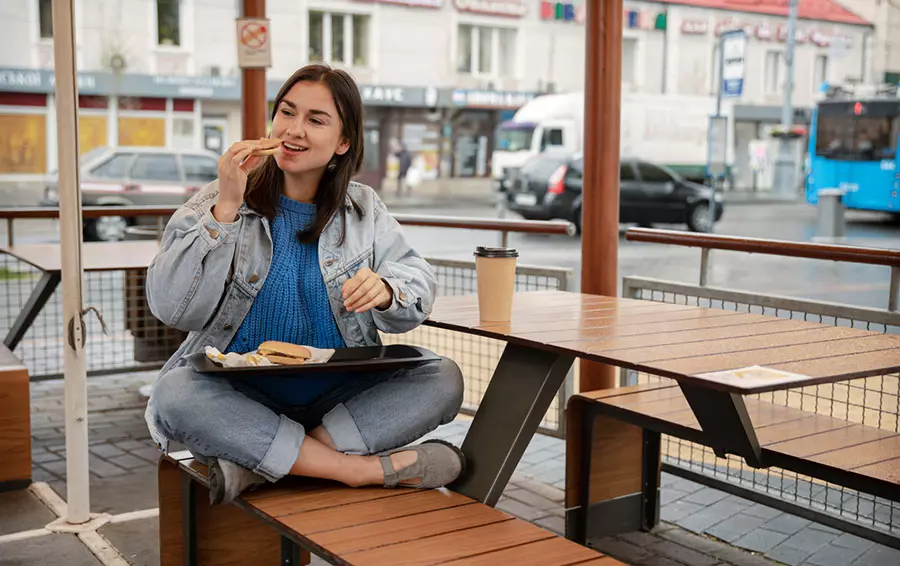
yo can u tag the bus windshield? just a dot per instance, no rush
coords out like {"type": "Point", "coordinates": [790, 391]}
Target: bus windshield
{"type": "Point", "coordinates": [846, 136]}
{"type": "Point", "coordinates": [513, 136]}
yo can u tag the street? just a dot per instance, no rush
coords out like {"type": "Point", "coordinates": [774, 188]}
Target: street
{"type": "Point", "coordinates": [861, 285]}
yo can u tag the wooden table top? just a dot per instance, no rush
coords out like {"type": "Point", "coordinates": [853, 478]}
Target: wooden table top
{"type": "Point", "coordinates": [682, 342]}
{"type": "Point", "coordinates": [95, 256]}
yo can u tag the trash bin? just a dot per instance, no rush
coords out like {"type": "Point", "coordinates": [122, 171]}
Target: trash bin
{"type": "Point", "coordinates": [153, 341]}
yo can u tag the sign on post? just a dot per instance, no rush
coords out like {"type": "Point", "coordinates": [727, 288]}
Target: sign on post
{"type": "Point", "coordinates": [734, 45]}
{"type": "Point", "coordinates": [254, 43]}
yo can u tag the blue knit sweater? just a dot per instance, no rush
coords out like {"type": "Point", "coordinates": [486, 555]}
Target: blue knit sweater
{"type": "Point", "coordinates": [292, 306]}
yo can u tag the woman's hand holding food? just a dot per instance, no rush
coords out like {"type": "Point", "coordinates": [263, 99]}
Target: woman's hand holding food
{"type": "Point", "coordinates": [366, 290]}
{"type": "Point", "coordinates": [234, 164]}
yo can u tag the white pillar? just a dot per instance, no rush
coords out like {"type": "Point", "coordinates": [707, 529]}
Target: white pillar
{"type": "Point", "coordinates": [52, 158]}
{"type": "Point", "coordinates": [112, 122]}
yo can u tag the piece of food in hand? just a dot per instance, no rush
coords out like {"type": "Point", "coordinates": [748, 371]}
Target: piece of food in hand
{"type": "Point", "coordinates": [284, 353]}
{"type": "Point", "coordinates": [268, 147]}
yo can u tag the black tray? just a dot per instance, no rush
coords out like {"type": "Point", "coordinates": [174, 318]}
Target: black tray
{"type": "Point", "coordinates": [367, 358]}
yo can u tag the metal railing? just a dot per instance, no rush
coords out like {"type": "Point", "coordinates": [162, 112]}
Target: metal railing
{"type": "Point", "coordinates": [872, 402]}
{"type": "Point", "coordinates": [138, 341]}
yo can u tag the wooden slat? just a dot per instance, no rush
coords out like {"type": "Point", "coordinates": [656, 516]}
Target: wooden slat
{"type": "Point", "coordinates": [411, 528]}
{"type": "Point", "coordinates": [527, 305]}
{"type": "Point", "coordinates": [628, 390]}
{"type": "Point", "coordinates": [787, 354]}
{"type": "Point", "coordinates": [555, 551]}
{"type": "Point", "coordinates": [15, 419]}
{"type": "Point", "coordinates": [807, 446]}
{"type": "Point", "coordinates": [412, 503]}
{"type": "Point", "coordinates": [888, 470]}
{"type": "Point", "coordinates": [647, 353]}
{"type": "Point", "coordinates": [452, 545]}
{"type": "Point", "coordinates": [848, 366]}
{"type": "Point", "coordinates": [861, 454]}
{"type": "Point", "coordinates": [680, 337]}
{"type": "Point", "coordinates": [306, 501]}
{"type": "Point", "coordinates": [812, 424]}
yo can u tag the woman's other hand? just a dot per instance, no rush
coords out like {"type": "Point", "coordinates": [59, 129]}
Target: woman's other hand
{"type": "Point", "coordinates": [366, 290]}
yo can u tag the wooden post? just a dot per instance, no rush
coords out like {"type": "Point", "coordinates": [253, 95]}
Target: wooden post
{"type": "Point", "coordinates": [600, 207]}
{"type": "Point", "coordinates": [254, 107]}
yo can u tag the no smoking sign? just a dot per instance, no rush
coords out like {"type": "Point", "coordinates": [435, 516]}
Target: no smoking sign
{"type": "Point", "coordinates": [254, 41]}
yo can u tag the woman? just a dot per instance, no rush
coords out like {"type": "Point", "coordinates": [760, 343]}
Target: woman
{"type": "Point", "coordinates": [294, 251]}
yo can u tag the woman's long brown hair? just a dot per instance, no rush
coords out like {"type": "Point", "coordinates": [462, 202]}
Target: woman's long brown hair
{"type": "Point", "coordinates": [266, 183]}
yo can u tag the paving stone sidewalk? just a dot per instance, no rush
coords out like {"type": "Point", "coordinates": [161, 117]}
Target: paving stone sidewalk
{"type": "Point", "coordinates": [700, 526]}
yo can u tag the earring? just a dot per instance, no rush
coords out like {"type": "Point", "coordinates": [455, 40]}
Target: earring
{"type": "Point", "coordinates": [331, 164]}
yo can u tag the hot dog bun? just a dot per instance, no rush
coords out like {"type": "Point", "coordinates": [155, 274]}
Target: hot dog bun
{"type": "Point", "coordinates": [284, 353]}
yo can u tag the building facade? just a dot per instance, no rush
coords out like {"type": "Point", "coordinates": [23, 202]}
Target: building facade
{"type": "Point", "coordinates": [436, 75]}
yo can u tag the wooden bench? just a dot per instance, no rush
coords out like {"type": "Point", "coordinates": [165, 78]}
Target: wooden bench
{"type": "Point", "coordinates": [613, 453]}
{"type": "Point", "coordinates": [15, 423]}
{"type": "Point", "coordinates": [283, 523]}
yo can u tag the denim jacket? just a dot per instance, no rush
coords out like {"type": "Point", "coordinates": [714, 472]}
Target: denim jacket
{"type": "Point", "coordinates": [207, 274]}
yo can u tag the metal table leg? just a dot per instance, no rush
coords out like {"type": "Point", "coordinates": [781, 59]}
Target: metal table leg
{"type": "Point", "coordinates": [519, 394]}
{"type": "Point", "coordinates": [724, 419]}
{"type": "Point", "coordinates": [36, 301]}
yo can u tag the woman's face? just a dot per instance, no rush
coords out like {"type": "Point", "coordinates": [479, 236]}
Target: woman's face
{"type": "Point", "coordinates": [307, 123]}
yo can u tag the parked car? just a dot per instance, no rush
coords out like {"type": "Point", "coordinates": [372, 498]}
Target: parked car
{"type": "Point", "coordinates": [136, 176]}
{"type": "Point", "coordinates": [550, 186]}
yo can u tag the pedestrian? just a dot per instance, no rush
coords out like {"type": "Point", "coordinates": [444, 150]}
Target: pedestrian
{"type": "Point", "coordinates": [286, 247]}
{"type": "Point", "coordinates": [404, 160]}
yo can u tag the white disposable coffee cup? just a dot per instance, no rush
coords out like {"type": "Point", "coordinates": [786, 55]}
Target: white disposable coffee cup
{"type": "Point", "coordinates": [495, 270]}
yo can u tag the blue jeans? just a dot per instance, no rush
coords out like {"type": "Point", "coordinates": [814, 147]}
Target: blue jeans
{"type": "Point", "coordinates": [366, 414]}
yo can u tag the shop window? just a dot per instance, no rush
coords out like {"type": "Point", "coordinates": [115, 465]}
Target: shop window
{"type": "Point", "coordinates": [168, 23]}
{"type": "Point", "coordinates": [45, 17]}
{"type": "Point", "coordinates": [339, 38]}
{"type": "Point", "coordinates": [183, 133]}
{"type": "Point", "coordinates": [23, 143]}
{"type": "Point", "coordinates": [486, 50]}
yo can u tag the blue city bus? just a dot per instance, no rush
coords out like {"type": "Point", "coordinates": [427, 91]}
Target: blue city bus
{"type": "Point", "coordinates": [853, 147]}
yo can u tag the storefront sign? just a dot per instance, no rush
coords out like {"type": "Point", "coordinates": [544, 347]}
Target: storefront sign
{"type": "Point", "coordinates": [644, 19]}
{"type": "Point", "coordinates": [773, 32]}
{"type": "Point", "coordinates": [694, 27]}
{"type": "Point", "coordinates": [509, 8]}
{"type": "Point", "coordinates": [411, 3]}
{"type": "Point", "coordinates": [563, 11]}
{"type": "Point", "coordinates": [490, 98]}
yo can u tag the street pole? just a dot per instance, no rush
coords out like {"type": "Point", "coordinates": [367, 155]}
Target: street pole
{"type": "Point", "coordinates": [254, 107]}
{"type": "Point", "coordinates": [784, 165]}
{"type": "Point", "coordinates": [600, 206]}
{"type": "Point", "coordinates": [715, 179]}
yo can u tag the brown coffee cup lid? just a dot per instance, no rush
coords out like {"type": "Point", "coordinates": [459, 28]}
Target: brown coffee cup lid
{"type": "Point", "coordinates": [482, 251]}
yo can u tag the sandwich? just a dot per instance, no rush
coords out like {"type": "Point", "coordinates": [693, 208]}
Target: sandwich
{"type": "Point", "coordinates": [268, 146]}
{"type": "Point", "coordinates": [283, 353]}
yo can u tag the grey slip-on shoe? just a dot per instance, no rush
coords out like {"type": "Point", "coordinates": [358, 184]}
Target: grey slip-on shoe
{"type": "Point", "coordinates": [438, 463]}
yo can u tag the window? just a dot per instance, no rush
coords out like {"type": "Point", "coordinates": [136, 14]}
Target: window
{"type": "Point", "coordinates": [198, 169]}
{"type": "Point", "coordinates": [45, 15]}
{"type": "Point", "coordinates": [774, 72]}
{"type": "Point", "coordinates": [486, 50]}
{"type": "Point", "coordinates": [857, 138]}
{"type": "Point", "coordinates": [339, 38]}
{"type": "Point", "coordinates": [116, 167]}
{"type": "Point", "coordinates": [514, 137]}
{"type": "Point", "coordinates": [820, 71]}
{"type": "Point", "coordinates": [552, 137]}
{"type": "Point", "coordinates": [626, 172]}
{"type": "Point", "coordinates": [183, 133]}
{"type": "Point", "coordinates": [156, 168]}
{"type": "Point", "coordinates": [629, 58]}
{"type": "Point", "coordinates": [653, 174]}
{"type": "Point", "coordinates": [168, 24]}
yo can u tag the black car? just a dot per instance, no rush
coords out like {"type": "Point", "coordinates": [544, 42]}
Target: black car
{"type": "Point", "coordinates": [549, 186]}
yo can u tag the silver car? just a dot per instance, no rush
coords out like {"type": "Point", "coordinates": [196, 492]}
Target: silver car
{"type": "Point", "coordinates": [136, 176]}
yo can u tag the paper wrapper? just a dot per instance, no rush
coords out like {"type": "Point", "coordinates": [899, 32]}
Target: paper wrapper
{"type": "Point", "coordinates": [253, 359]}
{"type": "Point", "coordinates": [753, 376]}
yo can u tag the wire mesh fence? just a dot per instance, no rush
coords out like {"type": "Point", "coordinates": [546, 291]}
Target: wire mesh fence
{"type": "Point", "coordinates": [135, 339]}
{"type": "Point", "coordinates": [477, 356]}
{"type": "Point", "coordinates": [873, 402]}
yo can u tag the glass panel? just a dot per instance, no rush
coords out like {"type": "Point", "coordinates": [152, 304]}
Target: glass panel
{"type": "Point", "coordinates": [629, 46]}
{"type": "Point", "coordinates": [116, 167]}
{"type": "Point", "coordinates": [167, 22]}
{"type": "Point", "coordinates": [653, 174]}
{"type": "Point", "coordinates": [485, 50]}
{"type": "Point", "coordinates": [316, 33]}
{"type": "Point", "coordinates": [626, 172]}
{"type": "Point", "coordinates": [507, 52]}
{"type": "Point", "coordinates": [820, 72]}
{"type": "Point", "coordinates": [183, 133]}
{"type": "Point", "coordinates": [337, 37]}
{"type": "Point", "coordinates": [857, 138]}
{"type": "Point", "coordinates": [198, 169]}
{"type": "Point", "coordinates": [464, 49]}
{"type": "Point", "coordinates": [360, 41]}
{"type": "Point", "coordinates": [156, 168]}
{"type": "Point", "coordinates": [517, 139]}
{"type": "Point", "coordinates": [45, 9]}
